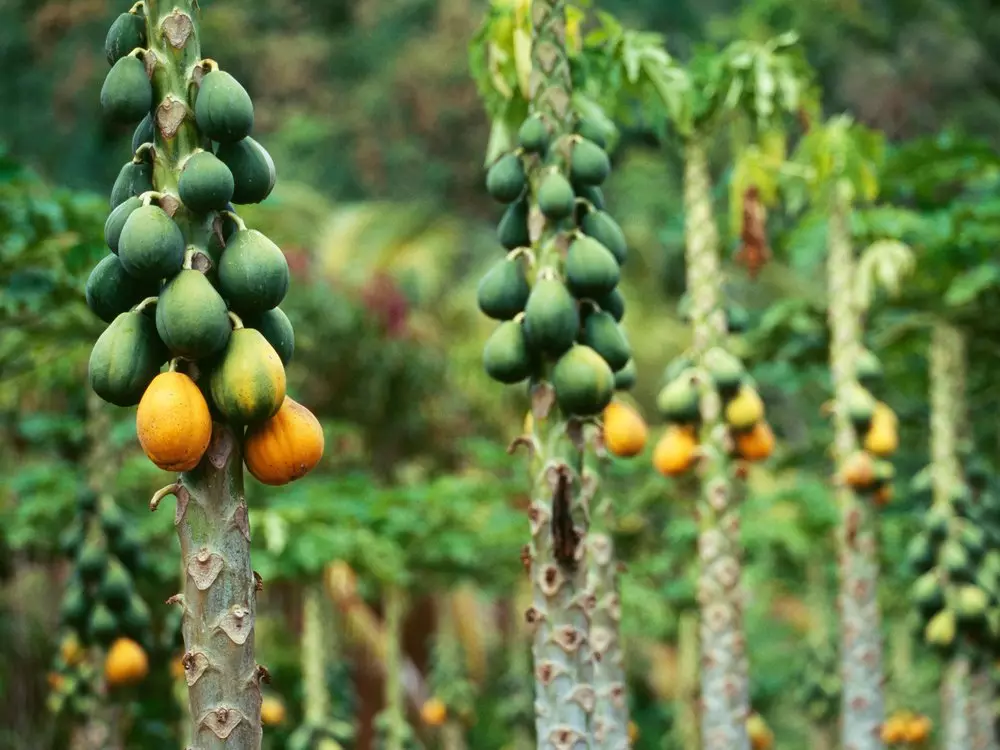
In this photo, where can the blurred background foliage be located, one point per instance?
(378, 132)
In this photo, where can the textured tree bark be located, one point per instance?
(981, 714)
(955, 704)
(861, 642)
(724, 671)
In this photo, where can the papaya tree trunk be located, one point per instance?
(394, 716)
(955, 704)
(686, 700)
(981, 713)
(861, 643)
(316, 704)
(725, 692)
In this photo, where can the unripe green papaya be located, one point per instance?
(625, 378)
(128, 549)
(867, 368)
(936, 523)
(591, 193)
(111, 290)
(145, 132)
(533, 135)
(956, 561)
(503, 291)
(136, 620)
(961, 502)
(589, 163)
(91, 561)
(223, 108)
(205, 184)
(940, 631)
(86, 500)
(71, 539)
(678, 400)
(151, 244)
(506, 357)
(928, 594)
(974, 541)
(589, 129)
(726, 370)
(602, 334)
(860, 408)
(103, 627)
(583, 382)
(134, 178)
(675, 368)
(253, 273)
(555, 196)
(551, 318)
(126, 34)
(277, 329)
(512, 231)
(505, 180)
(591, 269)
(613, 302)
(252, 168)
(113, 521)
(604, 229)
(248, 385)
(737, 319)
(75, 605)
(115, 222)
(971, 603)
(125, 359)
(116, 586)
(920, 554)
(127, 94)
(191, 318)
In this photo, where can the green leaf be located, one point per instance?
(967, 286)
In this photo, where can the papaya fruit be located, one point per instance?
(624, 430)
(205, 184)
(867, 369)
(551, 318)
(134, 179)
(126, 663)
(248, 385)
(272, 711)
(505, 179)
(745, 409)
(756, 444)
(583, 382)
(555, 196)
(136, 619)
(936, 523)
(893, 730)
(253, 273)
(534, 135)
(222, 108)
(151, 244)
(589, 129)
(512, 231)
(973, 539)
(602, 334)
(127, 93)
(625, 378)
(971, 603)
(737, 319)
(145, 132)
(860, 408)
(111, 290)
(882, 438)
(116, 586)
(252, 169)
(277, 329)
(86, 500)
(613, 302)
(434, 712)
(927, 594)
(676, 451)
(940, 630)
(191, 318)
(173, 422)
(599, 225)
(591, 193)
(726, 370)
(127, 32)
(761, 736)
(71, 539)
(918, 730)
(115, 222)
(112, 519)
(920, 554)
(503, 291)
(589, 163)
(75, 606)
(961, 502)
(125, 359)
(678, 400)
(506, 357)
(591, 269)
(858, 471)
(128, 549)
(285, 447)
(955, 559)
(102, 626)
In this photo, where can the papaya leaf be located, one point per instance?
(967, 286)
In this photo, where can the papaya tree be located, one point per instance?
(178, 248)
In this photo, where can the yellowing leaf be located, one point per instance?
(522, 60)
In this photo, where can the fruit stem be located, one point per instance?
(237, 321)
(522, 252)
(240, 224)
(209, 63)
(140, 153)
(189, 253)
(144, 304)
(138, 52)
(137, 7)
(151, 195)
(170, 489)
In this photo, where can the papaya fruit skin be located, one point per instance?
(116, 222)
(601, 333)
(512, 231)
(125, 359)
(589, 163)
(133, 180)
(205, 184)
(503, 291)
(604, 229)
(191, 318)
(111, 290)
(248, 384)
(127, 94)
(253, 273)
(626, 377)
(591, 269)
(587, 128)
(286, 447)
(223, 108)
(151, 245)
(127, 32)
(583, 382)
(252, 169)
(551, 318)
(613, 302)
(533, 135)
(277, 329)
(591, 193)
(555, 196)
(173, 422)
(145, 132)
(506, 356)
(506, 180)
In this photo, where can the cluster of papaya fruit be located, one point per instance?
(679, 402)
(957, 560)
(907, 729)
(819, 684)
(177, 247)
(559, 305)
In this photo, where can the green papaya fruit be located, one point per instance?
(971, 603)
(591, 193)
(223, 109)
(678, 400)
(961, 502)
(103, 627)
(505, 180)
(885, 472)
(625, 378)
(127, 94)
(71, 539)
(956, 561)
(551, 318)
(974, 541)
(111, 290)
(512, 231)
(113, 521)
(591, 269)
(867, 368)
(675, 368)
(115, 222)
(589, 163)
(151, 244)
(860, 408)
(253, 273)
(248, 385)
(928, 594)
(127, 32)
(737, 319)
(277, 329)
(116, 586)
(977, 473)
(91, 561)
(136, 620)
(533, 135)
(940, 631)
(252, 168)
(134, 179)
(602, 334)
(503, 291)
(205, 184)
(555, 196)
(920, 554)
(145, 132)
(613, 302)
(191, 318)
(583, 382)
(936, 522)
(128, 549)
(506, 357)
(726, 370)
(604, 229)
(86, 500)
(589, 129)
(75, 605)
(125, 359)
